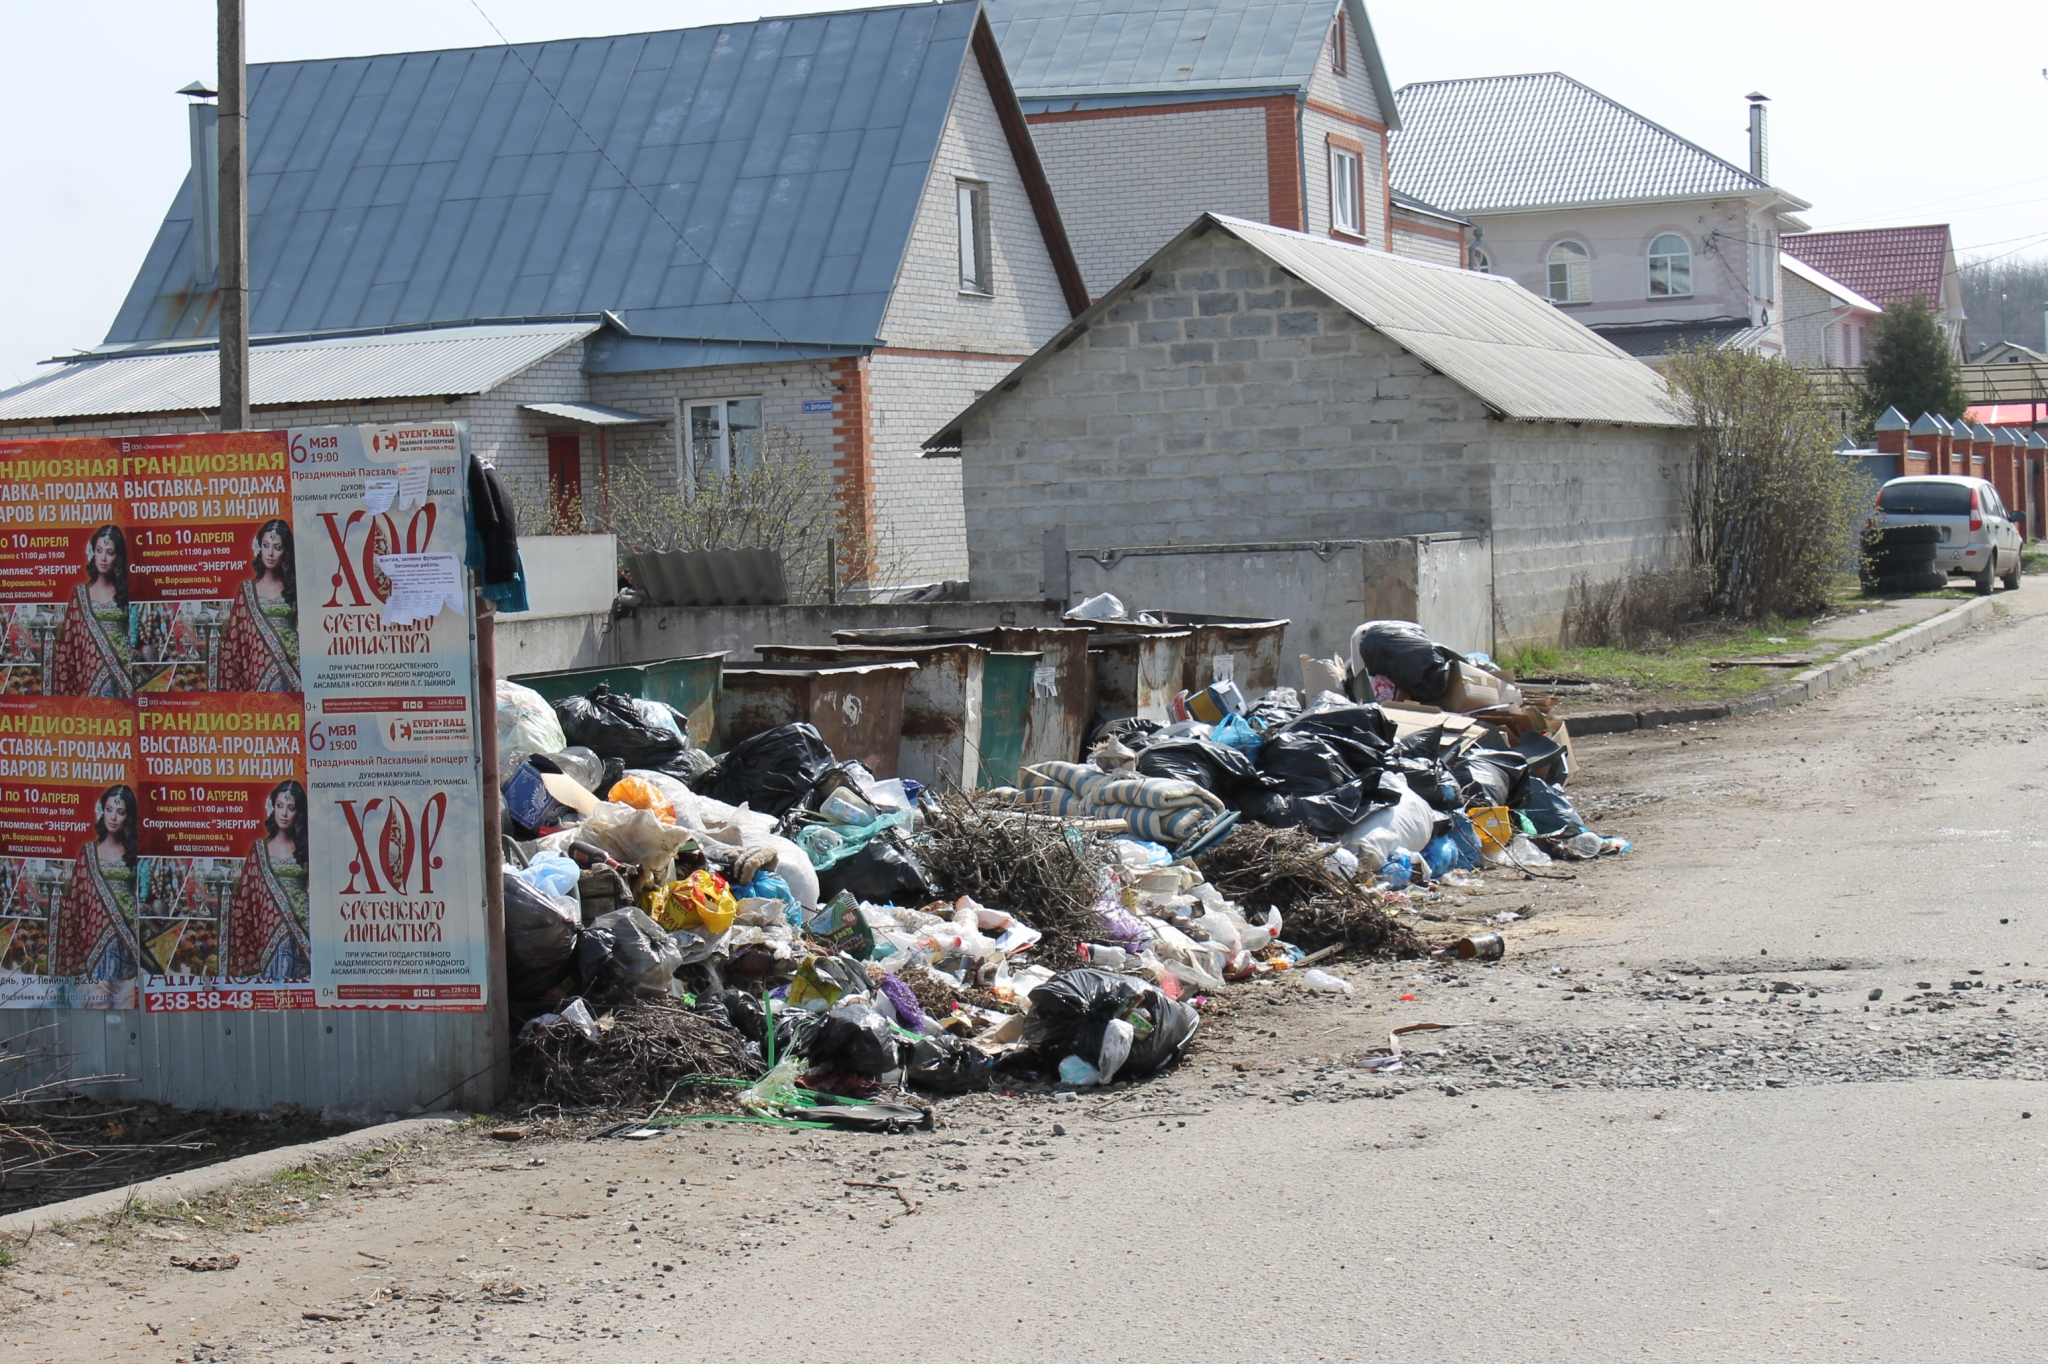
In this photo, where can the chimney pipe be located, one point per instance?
(1759, 142)
(203, 126)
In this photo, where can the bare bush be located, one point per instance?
(1652, 608)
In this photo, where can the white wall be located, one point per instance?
(1353, 93)
(1128, 182)
(1426, 246)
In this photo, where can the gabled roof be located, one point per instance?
(1518, 354)
(410, 364)
(1108, 51)
(1654, 340)
(1542, 141)
(756, 182)
(1833, 288)
(1886, 264)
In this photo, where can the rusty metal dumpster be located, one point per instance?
(942, 702)
(1138, 673)
(1240, 649)
(1062, 682)
(858, 709)
(1005, 714)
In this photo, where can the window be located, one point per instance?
(1480, 263)
(725, 436)
(1670, 267)
(1570, 277)
(1346, 192)
(975, 277)
(1337, 45)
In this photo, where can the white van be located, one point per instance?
(1977, 537)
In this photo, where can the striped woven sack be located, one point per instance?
(1154, 793)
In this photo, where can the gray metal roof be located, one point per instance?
(1501, 142)
(439, 186)
(592, 414)
(1098, 51)
(1517, 353)
(411, 364)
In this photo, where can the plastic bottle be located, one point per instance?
(844, 807)
(1585, 844)
(1317, 979)
(1104, 956)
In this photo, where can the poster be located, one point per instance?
(238, 762)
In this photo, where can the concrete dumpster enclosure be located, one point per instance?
(1251, 386)
(241, 815)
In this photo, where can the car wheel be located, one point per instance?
(1987, 581)
(2019, 566)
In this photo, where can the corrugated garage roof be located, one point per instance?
(426, 187)
(414, 364)
(1500, 142)
(1521, 356)
(1067, 50)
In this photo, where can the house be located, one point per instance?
(2007, 353)
(630, 262)
(1250, 385)
(1889, 265)
(1826, 323)
(1644, 236)
(1148, 112)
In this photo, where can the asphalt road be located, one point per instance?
(1678, 1126)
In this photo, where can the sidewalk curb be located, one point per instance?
(1803, 687)
(213, 1178)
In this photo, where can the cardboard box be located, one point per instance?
(1476, 689)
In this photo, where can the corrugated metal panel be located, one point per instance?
(431, 186)
(416, 364)
(591, 414)
(381, 1060)
(1523, 141)
(1522, 356)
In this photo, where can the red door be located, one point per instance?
(565, 474)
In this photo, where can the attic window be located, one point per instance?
(975, 275)
(1337, 45)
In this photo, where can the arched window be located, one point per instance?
(1670, 267)
(1571, 273)
(1480, 263)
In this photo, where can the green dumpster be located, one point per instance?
(1005, 712)
(691, 685)
(625, 679)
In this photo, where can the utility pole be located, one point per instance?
(234, 220)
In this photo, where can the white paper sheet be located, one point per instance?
(421, 584)
(379, 493)
(412, 484)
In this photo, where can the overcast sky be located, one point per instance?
(1883, 112)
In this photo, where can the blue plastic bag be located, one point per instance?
(1234, 731)
(766, 885)
(1456, 849)
(551, 872)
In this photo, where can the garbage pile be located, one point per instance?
(777, 930)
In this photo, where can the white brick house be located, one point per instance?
(833, 226)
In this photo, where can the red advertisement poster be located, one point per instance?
(221, 884)
(69, 848)
(212, 563)
(63, 570)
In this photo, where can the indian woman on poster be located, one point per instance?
(261, 648)
(91, 657)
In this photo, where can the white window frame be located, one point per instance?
(1674, 263)
(1347, 191)
(971, 210)
(1480, 262)
(711, 453)
(1576, 283)
(1339, 58)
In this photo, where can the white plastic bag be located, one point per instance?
(1316, 979)
(1116, 1048)
(526, 724)
(633, 835)
(1408, 823)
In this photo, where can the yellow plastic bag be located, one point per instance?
(1496, 826)
(641, 795)
(701, 902)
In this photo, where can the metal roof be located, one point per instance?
(1653, 340)
(1888, 264)
(1543, 140)
(1517, 353)
(1834, 288)
(1063, 51)
(410, 364)
(591, 414)
(789, 153)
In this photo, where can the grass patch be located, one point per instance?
(2034, 560)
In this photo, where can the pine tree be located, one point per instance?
(1912, 365)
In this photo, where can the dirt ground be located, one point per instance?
(1770, 1084)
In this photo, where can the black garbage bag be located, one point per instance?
(1492, 776)
(1132, 732)
(1211, 766)
(1070, 1012)
(1430, 780)
(853, 1036)
(1306, 763)
(947, 1064)
(772, 771)
(1332, 813)
(1173, 1027)
(1402, 652)
(611, 726)
(1274, 809)
(1551, 811)
(1276, 707)
(885, 872)
(1362, 721)
(540, 940)
(1431, 743)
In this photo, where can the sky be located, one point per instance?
(1882, 112)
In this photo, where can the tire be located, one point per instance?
(1987, 581)
(1909, 557)
(1894, 537)
(2019, 566)
(1926, 580)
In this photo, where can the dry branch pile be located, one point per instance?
(1031, 866)
(1259, 866)
(643, 1049)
